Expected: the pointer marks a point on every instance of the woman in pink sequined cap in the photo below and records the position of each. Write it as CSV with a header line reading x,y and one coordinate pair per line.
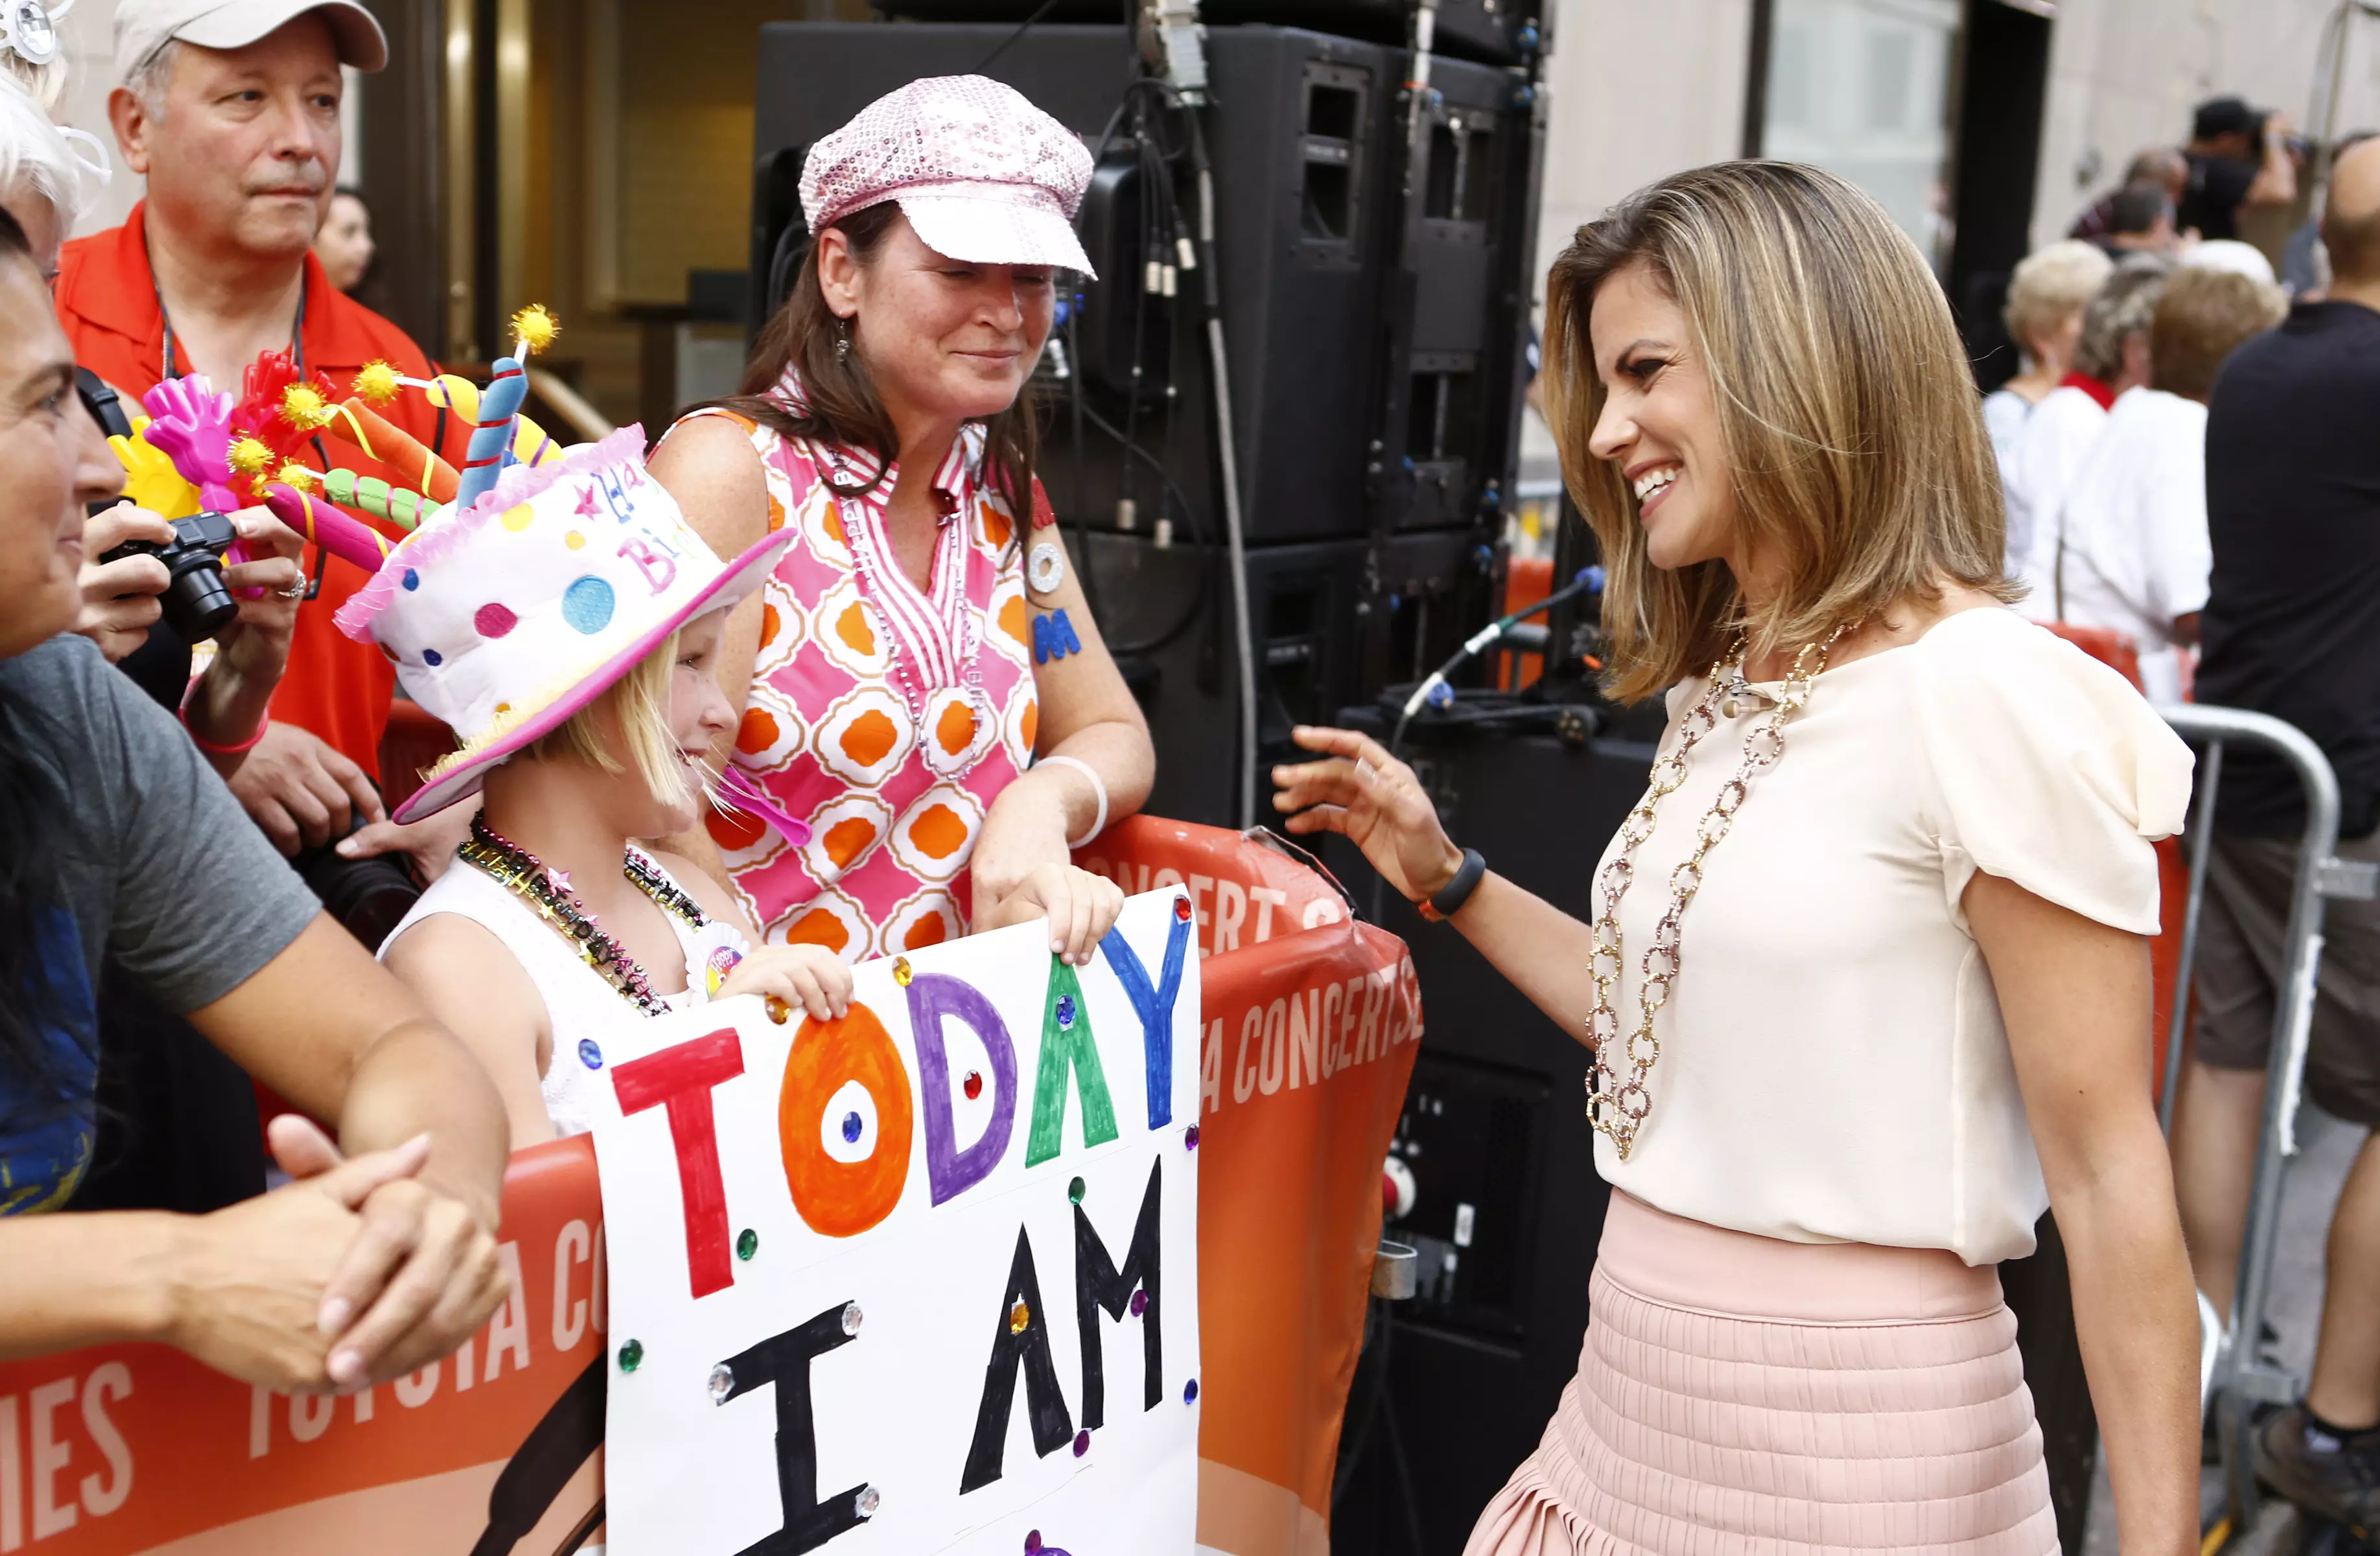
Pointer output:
x,y
919,680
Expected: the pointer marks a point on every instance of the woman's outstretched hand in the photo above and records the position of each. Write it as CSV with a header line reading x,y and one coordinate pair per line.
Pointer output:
x,y
1373,800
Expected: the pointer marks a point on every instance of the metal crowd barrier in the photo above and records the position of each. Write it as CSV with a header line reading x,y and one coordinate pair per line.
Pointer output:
x,y
2234,1373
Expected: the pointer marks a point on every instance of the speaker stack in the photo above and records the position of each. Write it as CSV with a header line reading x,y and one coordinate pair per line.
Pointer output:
x,y
1375,307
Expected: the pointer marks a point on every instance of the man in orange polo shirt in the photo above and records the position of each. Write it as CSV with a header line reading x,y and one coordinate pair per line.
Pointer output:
x,y
231,109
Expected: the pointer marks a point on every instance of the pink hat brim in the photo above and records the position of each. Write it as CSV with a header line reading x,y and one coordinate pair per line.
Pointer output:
x,y
994,232
734,582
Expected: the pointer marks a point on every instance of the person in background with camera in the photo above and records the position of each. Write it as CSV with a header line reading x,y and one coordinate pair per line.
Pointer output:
x,y
2240,159
1868,984
2291,628
231,111
950,724
116,842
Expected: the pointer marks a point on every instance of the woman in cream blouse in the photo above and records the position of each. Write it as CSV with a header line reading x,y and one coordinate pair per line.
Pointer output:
x,y
1869,982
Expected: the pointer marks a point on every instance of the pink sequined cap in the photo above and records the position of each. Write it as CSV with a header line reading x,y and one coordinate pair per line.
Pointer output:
x,y
982,175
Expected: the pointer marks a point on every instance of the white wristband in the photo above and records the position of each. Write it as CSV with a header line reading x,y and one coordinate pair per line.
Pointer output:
x,y
1099,788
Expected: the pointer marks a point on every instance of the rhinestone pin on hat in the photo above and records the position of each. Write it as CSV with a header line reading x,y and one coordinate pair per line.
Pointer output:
x,y
982,175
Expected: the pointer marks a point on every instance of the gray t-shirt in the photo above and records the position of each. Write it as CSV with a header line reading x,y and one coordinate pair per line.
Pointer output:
x,y
158,870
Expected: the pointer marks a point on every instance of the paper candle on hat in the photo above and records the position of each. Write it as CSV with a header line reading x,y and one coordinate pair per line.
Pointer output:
x,y
532,445
483,461
493,428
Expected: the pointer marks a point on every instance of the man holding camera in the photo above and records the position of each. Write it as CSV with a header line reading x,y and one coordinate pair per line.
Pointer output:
x,y
2240,158
231,110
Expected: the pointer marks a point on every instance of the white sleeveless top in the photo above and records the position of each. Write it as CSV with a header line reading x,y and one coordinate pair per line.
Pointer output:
x,y
1833,1066
582,1008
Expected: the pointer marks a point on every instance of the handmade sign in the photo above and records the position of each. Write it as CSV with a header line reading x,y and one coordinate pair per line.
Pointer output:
x,y
928,1271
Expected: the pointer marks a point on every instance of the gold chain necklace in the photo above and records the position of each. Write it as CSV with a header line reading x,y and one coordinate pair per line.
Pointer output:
x,y
1615,1107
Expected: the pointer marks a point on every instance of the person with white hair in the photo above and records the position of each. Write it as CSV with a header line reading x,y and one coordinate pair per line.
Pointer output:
x,y
2230,254
40,180
2044,313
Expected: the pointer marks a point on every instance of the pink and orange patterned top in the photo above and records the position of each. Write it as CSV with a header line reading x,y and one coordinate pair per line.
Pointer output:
x,y
887,716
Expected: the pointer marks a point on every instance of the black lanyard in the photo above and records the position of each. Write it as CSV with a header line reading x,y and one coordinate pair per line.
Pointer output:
x,y
296,327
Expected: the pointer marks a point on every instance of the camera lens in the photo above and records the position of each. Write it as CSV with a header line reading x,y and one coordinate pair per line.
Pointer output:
x,y
196,604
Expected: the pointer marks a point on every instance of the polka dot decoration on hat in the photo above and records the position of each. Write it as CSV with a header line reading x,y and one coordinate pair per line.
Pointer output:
x,y
507,614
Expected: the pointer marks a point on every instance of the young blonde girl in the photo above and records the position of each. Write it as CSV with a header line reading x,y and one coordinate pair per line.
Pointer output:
x,y
566,627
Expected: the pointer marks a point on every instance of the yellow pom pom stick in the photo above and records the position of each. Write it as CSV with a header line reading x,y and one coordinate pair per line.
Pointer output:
x,y
299,476
378,384
396,448
305,407
401,508
250,457
533,330
532,445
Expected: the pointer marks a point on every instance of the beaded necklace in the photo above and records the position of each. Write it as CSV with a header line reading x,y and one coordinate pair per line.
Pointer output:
x,y
547,890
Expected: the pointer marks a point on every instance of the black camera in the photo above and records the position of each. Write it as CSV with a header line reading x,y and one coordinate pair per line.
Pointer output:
x,y
197,605
368,897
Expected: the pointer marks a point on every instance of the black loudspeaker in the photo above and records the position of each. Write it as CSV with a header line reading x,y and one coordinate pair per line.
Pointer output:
x,y
1305,137
1509,1209
1166,611
1493,32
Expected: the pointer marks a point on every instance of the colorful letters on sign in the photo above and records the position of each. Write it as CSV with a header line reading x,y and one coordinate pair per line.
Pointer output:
x,y
949,1230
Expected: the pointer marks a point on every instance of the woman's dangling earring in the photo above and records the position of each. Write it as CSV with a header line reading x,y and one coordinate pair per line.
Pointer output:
x,y
842,341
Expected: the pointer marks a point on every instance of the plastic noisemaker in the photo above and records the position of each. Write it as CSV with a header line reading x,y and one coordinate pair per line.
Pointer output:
x,y
190,424
322,524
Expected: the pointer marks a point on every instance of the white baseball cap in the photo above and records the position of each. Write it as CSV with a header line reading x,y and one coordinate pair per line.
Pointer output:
x,y
142,27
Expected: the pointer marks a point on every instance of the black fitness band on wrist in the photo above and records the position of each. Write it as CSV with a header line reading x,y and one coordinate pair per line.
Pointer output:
x,y
1448,900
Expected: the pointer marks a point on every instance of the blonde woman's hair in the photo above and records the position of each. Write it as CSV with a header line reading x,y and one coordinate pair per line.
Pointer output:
x,y
641,699
2050,286
1856,444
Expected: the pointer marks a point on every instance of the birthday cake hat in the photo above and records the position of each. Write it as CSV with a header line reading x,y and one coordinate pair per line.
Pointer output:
x,y
544,580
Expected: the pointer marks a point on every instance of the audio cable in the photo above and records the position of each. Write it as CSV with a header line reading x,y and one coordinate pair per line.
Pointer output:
x,y
1588,581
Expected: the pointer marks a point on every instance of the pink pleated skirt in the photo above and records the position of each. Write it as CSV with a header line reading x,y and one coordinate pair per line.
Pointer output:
x,y
1740,1394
